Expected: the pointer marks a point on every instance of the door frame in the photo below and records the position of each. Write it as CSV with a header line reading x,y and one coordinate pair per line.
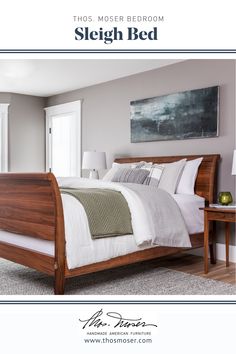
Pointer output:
x,y
70,107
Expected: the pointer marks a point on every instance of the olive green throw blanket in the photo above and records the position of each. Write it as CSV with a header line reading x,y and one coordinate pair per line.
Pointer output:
x,y
107,211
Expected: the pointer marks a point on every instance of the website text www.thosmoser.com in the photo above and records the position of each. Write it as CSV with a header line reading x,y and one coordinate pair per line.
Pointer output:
x,y
118,340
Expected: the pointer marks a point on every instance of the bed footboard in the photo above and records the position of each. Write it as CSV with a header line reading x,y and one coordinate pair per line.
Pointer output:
x,y
30,204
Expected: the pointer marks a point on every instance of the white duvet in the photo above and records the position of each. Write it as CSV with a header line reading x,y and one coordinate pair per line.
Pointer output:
x,y
155,216
82,250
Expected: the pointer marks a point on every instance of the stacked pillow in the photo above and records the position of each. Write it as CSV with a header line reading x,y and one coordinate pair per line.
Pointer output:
x,y
115,167
171,175
176,177
188,177
154,175
128,172
130,175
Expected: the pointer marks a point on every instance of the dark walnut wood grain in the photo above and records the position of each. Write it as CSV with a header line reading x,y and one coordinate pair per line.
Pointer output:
x,y
27,205
30,204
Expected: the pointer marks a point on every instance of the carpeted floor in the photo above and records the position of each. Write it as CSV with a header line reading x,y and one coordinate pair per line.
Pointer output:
x,y
139,279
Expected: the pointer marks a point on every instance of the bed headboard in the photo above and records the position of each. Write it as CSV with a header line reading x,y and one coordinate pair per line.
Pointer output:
x,y
206,180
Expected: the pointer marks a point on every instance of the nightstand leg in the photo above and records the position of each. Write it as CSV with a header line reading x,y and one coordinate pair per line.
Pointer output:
x,y
212,246
227,236
206,241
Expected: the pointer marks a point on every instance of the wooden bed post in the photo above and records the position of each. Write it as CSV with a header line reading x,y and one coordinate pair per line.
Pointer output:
x,y
60,255
59,280
212,198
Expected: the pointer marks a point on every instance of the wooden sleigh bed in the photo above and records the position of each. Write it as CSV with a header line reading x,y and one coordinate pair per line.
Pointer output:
x,y
30,204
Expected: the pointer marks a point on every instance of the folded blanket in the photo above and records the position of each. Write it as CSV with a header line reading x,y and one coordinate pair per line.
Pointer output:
x,y
107,211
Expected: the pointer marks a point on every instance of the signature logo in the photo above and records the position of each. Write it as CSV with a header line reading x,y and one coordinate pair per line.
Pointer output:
x,y
100,319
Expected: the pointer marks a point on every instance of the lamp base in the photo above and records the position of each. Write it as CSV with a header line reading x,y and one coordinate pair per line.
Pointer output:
x,y
93,174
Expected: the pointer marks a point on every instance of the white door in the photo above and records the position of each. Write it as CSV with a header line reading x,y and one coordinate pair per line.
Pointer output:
x,y
4,137
63,126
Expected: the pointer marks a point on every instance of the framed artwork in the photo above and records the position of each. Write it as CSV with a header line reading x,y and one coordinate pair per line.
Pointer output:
x,y
183,115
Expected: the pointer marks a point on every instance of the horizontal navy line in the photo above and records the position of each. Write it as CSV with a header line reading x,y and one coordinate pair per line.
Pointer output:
x,y
118,51
90,302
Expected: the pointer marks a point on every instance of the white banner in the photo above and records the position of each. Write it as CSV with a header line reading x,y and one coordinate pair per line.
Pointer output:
x,y
135,327
98,25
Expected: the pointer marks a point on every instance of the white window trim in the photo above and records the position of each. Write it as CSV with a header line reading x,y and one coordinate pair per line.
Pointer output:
x,y
4,137
64,108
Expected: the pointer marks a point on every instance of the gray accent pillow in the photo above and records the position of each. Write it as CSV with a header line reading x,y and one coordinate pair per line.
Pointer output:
x,y
115,166
127,175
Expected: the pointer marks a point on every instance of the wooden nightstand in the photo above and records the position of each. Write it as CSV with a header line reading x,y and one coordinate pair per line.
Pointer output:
x,y
217,214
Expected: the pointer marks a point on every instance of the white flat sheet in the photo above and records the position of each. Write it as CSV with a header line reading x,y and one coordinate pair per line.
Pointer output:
x,y
83,250
189,206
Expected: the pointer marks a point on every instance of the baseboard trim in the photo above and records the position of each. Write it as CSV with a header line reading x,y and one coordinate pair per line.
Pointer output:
x,y
220,252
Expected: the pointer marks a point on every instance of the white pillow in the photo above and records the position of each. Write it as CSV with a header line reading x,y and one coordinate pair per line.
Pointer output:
x,y
115,167
145,165
188,177
110,174
170,176
124,165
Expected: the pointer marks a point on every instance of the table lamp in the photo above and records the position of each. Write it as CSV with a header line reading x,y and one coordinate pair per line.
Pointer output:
x,y
225,198
94,161
234,163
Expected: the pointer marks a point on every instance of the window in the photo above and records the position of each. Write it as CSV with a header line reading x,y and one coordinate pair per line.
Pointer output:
x,y
4,137
63,139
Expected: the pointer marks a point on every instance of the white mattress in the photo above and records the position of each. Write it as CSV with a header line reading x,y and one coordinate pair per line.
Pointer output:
x,y
86,250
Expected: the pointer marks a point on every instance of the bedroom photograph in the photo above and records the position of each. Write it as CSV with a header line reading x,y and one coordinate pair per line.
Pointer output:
x,y
117,177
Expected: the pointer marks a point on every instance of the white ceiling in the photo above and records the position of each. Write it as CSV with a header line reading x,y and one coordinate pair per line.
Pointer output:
x,y
49,77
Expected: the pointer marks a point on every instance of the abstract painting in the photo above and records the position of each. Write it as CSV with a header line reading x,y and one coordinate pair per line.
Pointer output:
x,y
183,115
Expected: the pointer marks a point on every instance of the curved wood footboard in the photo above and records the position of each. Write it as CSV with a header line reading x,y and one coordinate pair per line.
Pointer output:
x,y
30,204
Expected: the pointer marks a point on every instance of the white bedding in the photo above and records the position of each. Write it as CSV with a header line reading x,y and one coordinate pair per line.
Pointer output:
x,y
155,216
83,250
189,206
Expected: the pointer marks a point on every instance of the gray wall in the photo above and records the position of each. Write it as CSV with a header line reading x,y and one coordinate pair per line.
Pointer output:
x,y
26,132
5,97
105,112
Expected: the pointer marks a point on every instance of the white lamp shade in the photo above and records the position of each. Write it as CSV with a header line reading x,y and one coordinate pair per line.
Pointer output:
x,y
94,160
234,164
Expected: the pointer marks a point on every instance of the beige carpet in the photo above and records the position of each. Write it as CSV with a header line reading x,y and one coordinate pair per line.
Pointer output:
x,y
139,279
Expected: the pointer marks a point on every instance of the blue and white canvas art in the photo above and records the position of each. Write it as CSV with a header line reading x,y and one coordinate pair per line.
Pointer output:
x,y
184,115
